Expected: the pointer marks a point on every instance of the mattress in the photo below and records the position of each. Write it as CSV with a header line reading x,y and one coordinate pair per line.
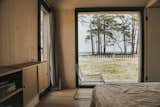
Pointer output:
x,y
126,95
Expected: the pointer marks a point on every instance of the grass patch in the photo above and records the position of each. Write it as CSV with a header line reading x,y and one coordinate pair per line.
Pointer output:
x,y
113,70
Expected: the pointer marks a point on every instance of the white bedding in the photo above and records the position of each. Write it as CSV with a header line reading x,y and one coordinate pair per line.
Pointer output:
x,y
127,95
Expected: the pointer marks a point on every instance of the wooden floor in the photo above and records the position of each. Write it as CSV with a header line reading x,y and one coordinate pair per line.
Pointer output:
x,y
67,98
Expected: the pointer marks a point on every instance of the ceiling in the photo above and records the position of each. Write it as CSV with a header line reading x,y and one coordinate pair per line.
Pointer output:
x,y
157,4
70,4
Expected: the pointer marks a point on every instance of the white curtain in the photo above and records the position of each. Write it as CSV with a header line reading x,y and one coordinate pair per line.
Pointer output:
x,y
55,75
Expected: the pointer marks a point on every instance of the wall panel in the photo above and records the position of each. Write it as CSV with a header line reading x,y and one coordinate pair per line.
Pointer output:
x,y
18,31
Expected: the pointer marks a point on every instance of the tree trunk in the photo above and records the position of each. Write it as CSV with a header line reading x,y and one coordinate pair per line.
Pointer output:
x,y
98,34
120,47
104,39
133,35
92,45
124,36
125,47
137,45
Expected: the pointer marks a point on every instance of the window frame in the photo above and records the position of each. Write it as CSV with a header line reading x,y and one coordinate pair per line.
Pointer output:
x,y
107,9
41,5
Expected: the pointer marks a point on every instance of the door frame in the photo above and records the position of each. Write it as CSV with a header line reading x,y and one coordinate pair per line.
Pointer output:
x,y
106,9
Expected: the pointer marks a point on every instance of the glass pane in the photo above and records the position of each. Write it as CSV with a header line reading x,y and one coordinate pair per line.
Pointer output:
x,y
109,47
45,26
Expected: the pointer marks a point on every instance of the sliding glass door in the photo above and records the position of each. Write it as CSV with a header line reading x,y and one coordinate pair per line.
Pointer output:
x,y
109,47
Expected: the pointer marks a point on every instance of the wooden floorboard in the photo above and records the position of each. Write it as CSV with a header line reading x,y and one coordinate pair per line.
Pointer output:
x,y
65,98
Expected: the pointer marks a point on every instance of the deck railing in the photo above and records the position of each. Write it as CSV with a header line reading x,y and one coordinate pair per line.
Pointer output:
x,y
111,58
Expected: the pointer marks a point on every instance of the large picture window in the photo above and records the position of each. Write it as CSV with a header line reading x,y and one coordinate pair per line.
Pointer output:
x,y
109,46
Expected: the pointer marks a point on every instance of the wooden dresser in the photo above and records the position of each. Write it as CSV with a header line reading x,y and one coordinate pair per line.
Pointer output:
x,y
31,79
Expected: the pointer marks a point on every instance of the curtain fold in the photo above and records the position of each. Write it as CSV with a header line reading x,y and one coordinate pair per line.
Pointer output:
x,y
55,75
